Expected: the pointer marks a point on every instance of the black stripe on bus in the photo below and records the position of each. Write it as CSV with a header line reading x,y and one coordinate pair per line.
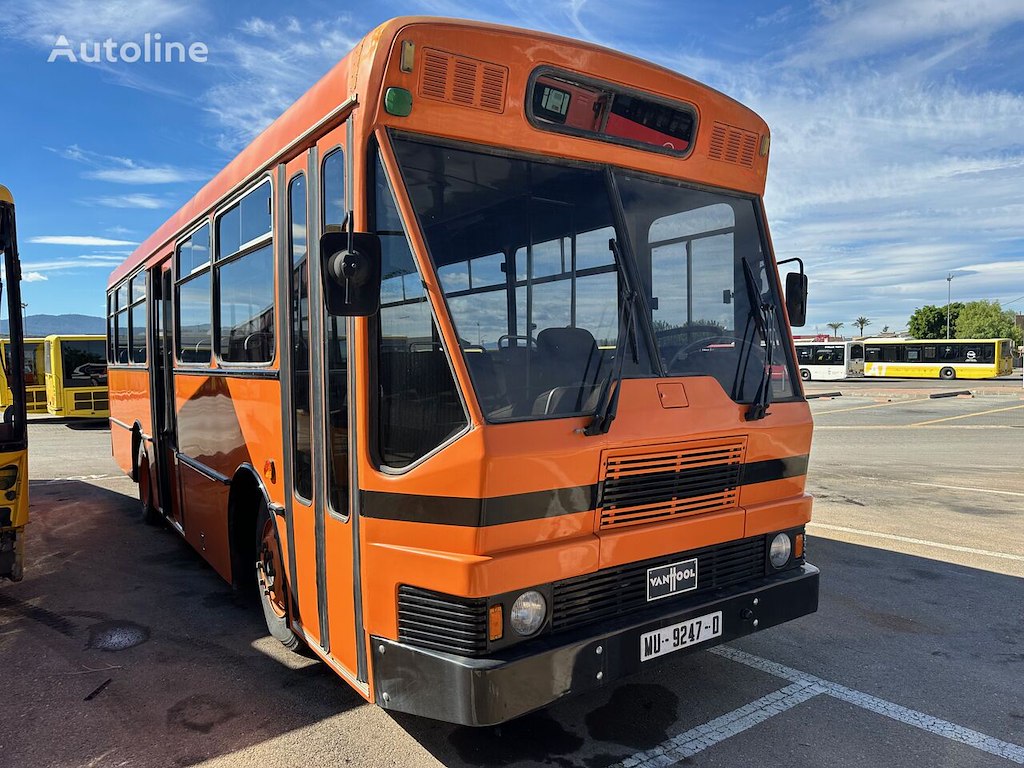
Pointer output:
x,y
536,505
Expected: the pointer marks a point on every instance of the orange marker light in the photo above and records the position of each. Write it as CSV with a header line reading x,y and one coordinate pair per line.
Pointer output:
x,y
798,545
495,627
269,471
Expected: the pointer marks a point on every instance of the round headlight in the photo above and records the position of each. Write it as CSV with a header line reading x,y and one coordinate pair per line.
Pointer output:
x,y
528,612
780,549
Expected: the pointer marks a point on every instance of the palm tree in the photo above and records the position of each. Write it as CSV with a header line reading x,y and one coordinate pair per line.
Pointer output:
x,y
862,321
835,327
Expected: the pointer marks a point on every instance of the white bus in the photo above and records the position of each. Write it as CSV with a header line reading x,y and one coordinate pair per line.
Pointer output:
x,y
830,360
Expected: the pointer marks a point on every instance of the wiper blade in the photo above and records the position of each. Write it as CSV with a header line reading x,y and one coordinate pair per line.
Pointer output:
x,y
608,404
762,313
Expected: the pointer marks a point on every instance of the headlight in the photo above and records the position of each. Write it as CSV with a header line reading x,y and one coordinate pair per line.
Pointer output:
x,y
780,549
528,613
8,477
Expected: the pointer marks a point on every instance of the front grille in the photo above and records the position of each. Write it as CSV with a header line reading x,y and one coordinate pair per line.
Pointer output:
x,y
622,590
442,622
669,482
91,401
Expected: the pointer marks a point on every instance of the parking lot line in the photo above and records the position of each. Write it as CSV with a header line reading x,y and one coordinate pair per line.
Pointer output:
x,y
919,542
721,728
875,405
967,488
968,415
935,725
803,687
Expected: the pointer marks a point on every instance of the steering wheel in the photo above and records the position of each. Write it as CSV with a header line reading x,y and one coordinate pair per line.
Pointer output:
x,y
683,353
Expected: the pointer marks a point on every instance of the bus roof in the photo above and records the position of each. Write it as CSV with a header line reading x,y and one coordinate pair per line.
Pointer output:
x,y
358,73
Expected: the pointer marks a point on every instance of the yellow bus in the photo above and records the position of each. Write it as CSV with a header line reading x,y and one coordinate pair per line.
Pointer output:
x,y
938,358
76,376
477,363
13,428
35,386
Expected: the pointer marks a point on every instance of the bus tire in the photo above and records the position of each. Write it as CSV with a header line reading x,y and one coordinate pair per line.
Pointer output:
x,y
150,514
270,580
805,374
947,373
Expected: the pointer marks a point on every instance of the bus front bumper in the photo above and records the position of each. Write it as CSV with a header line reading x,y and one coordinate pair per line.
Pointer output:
x,y
486,691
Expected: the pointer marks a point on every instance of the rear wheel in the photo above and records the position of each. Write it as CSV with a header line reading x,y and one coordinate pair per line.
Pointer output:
x,y
947,373
805,374
270,580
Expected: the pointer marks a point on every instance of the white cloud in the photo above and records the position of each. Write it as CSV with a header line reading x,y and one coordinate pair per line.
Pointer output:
x,y
79,240
41,21
125,170
854,30
148,202
33,277
63,265
267,65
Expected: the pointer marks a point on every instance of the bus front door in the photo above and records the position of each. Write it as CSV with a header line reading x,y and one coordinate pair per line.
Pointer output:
x,y
162,389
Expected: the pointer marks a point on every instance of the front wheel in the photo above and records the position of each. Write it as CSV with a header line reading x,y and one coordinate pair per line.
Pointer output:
x,y
271,582
947,373
805,374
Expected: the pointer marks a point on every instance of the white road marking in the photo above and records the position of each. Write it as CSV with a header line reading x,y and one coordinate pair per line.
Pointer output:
x,y
935,725
721,728
803,686
967,488
919,542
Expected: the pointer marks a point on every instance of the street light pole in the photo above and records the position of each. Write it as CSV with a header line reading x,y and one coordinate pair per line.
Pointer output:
x,y
949,289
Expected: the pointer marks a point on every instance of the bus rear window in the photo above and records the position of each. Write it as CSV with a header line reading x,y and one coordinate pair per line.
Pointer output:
x,y
584,107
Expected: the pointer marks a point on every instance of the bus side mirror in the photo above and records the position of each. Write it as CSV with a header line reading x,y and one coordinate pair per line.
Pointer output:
x,y
796,298
350,273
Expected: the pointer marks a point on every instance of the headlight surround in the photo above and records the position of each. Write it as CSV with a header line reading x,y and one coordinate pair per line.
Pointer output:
x,y
780,550
528,613
8,476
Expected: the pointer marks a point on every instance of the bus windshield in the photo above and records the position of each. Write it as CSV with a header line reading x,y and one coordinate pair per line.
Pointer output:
x,y
535,263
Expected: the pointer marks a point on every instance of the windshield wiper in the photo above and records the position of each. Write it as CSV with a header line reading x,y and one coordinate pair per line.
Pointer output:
x,y
762,313
608,404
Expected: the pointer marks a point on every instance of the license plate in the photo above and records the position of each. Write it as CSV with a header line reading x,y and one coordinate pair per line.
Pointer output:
x,y
681,635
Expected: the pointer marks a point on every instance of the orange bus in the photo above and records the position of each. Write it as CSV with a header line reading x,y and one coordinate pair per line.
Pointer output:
x,y
492,395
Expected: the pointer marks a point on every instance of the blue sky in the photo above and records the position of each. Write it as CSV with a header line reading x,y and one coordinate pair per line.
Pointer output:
x,y
897,140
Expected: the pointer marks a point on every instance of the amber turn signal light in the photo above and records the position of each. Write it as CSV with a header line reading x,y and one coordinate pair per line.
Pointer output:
x,y
798,545
495,622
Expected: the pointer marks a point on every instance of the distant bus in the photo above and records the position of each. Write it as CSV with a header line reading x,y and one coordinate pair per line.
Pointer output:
x,y
35,387
938,358
830,360
76,376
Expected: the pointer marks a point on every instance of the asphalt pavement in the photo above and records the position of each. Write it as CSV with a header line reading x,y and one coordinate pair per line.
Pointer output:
x,y
122,648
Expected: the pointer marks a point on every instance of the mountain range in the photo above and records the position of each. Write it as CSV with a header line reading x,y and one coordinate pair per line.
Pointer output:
x,y
44,325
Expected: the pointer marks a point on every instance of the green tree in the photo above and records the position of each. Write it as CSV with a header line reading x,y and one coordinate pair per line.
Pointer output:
x,y
861,322
986,320
929,321
835,327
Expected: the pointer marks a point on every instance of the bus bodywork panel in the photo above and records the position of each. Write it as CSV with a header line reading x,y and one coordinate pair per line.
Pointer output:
x,y
13,514
129,406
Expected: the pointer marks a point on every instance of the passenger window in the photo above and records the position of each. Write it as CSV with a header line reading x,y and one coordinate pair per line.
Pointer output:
x,y
192,298
244,275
